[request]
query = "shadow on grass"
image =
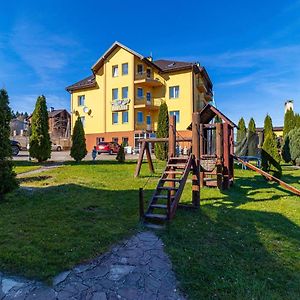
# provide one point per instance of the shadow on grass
(223, 252)
(33, 178)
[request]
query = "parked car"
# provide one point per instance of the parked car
(56, 147)
(15, 147)
(108, 147)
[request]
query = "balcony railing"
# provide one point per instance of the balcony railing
(147, 78)
(147, 102)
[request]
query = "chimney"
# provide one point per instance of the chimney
(51, 109)
(289, 104)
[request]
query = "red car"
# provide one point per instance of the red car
(108, 147)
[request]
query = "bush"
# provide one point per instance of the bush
(294, 136)
(40, 144)
(8, 180)
(161, 149)
(78, 149)
(121, 154)
(270, 156)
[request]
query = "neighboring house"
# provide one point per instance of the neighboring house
(18, 127)
(278, 130)
(120, 100)
(59, 123)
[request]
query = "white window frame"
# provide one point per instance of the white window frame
(112, 94)
(173, 112)
(173, 94)
(123, 74)
(125, 112)
(115, 71)
(123, 88)
(79, 99)
(112, 116)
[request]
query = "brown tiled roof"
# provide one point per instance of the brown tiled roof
(82, 84)
(55, 112)
(171, 65)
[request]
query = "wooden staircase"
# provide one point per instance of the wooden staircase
(169, 189)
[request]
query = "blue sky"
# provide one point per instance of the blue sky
(251, 49)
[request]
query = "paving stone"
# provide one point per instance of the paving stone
(118, 271)
(60, 277)
(135, 269)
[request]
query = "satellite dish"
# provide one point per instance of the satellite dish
(85, 110)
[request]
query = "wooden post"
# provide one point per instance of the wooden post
(226, 154)
(219, 153)
(201, 150)
(169, 206)
(196, 154)
(231, 161)
(140, 160)
(141, 198)
(149, 159)
(172, 136)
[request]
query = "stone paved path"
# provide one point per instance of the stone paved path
(135, 269)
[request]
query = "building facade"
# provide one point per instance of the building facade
(120, 100)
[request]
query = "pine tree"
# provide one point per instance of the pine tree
(121, 154)
(285, 150)
(8, 180)
(161, 149)
(297, 120)
(40, 144)
(289, 122)
(252, 138)
(294, 137)
(270, 155)
(78, 149)
(242, 131)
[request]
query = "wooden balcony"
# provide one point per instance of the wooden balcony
(201, 87)
(147, 79)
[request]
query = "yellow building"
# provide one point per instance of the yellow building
(120, 100)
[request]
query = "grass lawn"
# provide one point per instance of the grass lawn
(25, 166)
(242, 243)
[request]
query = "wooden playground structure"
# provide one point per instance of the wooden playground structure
(210, 159)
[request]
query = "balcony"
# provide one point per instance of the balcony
(145, 127)
(149, 103)
(147, 79)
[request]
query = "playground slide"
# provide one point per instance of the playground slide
(268, 176)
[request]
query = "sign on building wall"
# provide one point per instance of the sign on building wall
(118, 105)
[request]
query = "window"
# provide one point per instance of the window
(124, 116)
(140, 117)
(115, 71)
(140, 69)
(125, 141)
(148, 73)
(99, 140)
(148, 96)
(115, 94)
(82, 121)
(81, 100)
(115, 139)
(174, 91)
(125, 92)
(125, 69)
(140, 93)
(148, 120)
(175, 113)
(115, 118)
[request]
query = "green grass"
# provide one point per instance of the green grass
(242, 244)
(25, 166)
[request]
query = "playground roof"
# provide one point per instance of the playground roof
(209, 112)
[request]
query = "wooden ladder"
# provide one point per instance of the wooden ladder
(169, 189)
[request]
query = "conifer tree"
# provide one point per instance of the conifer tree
(40, 144)
(289, 122)
(252, 138)
(78, 149)
(297, 120)
(242, 131)
(285, 150)
(7, 175)
(161, 149)
(270, 155)
(294, 136)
